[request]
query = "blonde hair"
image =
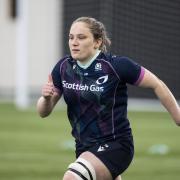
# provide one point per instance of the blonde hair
(98, 30)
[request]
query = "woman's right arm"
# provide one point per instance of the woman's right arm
(48, 100)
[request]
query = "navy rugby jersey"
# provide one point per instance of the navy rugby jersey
(96, 97)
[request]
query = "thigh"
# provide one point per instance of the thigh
(110, 159)
(102, 172)
(116, 156)
(87, 166)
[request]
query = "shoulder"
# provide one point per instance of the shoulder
(117, 61)
(57, 70)
(122, 60)
(113, 58)
(63, 62)
(127, 69)
(66, 58)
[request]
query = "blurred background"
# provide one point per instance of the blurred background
(34, 36)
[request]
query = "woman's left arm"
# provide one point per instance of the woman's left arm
(163, 93)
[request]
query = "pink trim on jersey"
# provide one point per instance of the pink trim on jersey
(140, 76)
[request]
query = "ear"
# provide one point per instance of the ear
(98, 43)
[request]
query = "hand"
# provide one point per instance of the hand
(48, 88)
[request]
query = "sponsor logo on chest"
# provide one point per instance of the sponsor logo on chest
(94, 87)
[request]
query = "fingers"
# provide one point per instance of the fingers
(48, 88)
(50, 80)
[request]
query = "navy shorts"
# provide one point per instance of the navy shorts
(116, 155)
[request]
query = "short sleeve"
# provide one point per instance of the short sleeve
(57, 78)
(128, 70)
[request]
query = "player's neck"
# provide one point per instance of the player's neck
(87, 63)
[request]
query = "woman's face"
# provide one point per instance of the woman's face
(82, 44)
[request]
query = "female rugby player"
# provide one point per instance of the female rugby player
(94, 86)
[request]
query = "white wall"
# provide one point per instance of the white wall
(7, 47)
(44, 47)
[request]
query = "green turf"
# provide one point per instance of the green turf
(32, 148)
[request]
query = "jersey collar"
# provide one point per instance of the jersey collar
(85, 66)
